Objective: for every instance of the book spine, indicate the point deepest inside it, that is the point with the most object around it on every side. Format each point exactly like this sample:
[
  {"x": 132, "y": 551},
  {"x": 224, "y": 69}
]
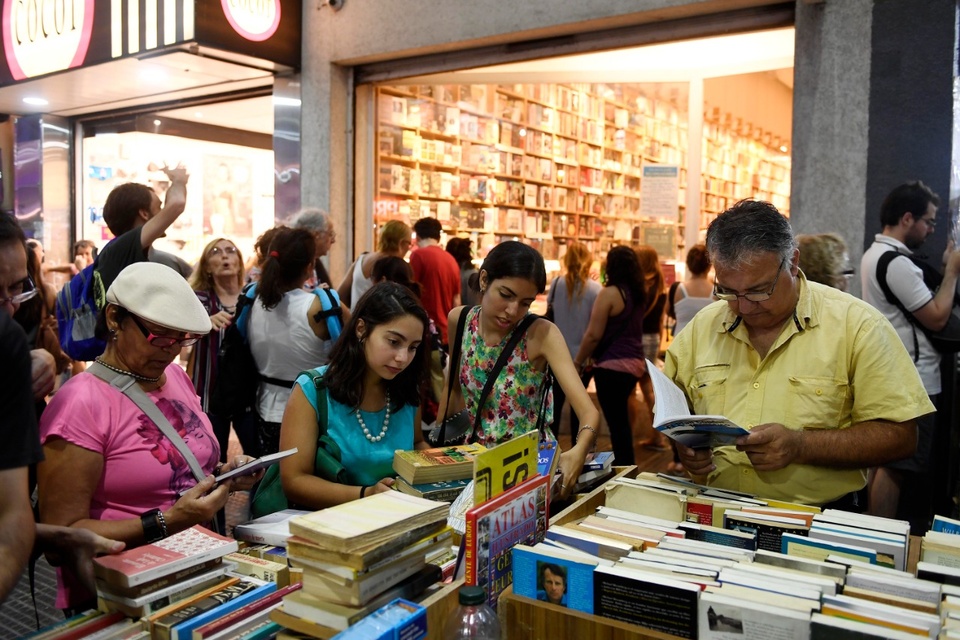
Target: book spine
[
  {"x": 184, "y": 630},
  {"x": 251, "y": 534},
  {"x": 163, "y": 626},
  {"x": 215, "y": 626},
  {"x": 470, "y": 550}
]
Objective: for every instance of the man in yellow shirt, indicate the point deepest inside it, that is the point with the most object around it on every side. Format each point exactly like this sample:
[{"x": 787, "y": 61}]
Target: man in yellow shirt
[{"x": 818, "y": 377}]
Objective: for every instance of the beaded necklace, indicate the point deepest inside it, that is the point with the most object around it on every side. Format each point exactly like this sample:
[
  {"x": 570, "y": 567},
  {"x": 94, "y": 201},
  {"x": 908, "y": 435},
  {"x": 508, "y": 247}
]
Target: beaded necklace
[
  {"x": 133, "y": 375},
  {"x": 386, "y": 423}
]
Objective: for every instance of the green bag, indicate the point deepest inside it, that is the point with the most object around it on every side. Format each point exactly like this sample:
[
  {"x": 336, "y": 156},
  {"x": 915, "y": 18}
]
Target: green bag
[{"x": 269, "y": 497}]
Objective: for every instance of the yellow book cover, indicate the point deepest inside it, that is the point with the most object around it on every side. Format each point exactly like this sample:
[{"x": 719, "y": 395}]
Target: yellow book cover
[
  {"x": 504, "y": 466},
  {"x": 371, "y": 520}
]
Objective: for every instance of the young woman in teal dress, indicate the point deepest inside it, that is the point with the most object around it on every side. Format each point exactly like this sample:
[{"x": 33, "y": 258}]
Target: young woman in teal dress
[
  {"x": 373, "y": 383},
  {"x": 509, "y": 280}
]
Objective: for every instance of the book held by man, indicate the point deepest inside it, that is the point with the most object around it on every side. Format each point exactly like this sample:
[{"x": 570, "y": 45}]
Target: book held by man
[{"x": 672, "y": 417}]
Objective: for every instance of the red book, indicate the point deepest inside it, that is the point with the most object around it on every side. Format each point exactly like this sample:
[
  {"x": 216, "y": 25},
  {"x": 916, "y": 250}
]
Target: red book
[
  {"x": 220, "y": 624},
  {"x": 91, "y": 626},
  {"x": 518, "y": 515},
  {"x": 151, "y": 561}
]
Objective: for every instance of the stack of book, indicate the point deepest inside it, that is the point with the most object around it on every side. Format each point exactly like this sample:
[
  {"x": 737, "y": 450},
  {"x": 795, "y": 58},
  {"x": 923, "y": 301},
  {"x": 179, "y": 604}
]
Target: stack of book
[
  {"x": 597, "y": 468},
  {"x": 435, "y": 474},
  {"x": 358, "y": 556},
  {"x": 140, "y": 581},
  {"x": 272, "y": 529}
]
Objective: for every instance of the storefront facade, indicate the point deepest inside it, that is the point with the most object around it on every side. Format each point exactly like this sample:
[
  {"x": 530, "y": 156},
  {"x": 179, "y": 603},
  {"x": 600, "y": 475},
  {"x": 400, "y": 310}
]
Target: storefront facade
[{"x": 103, "y": 92}]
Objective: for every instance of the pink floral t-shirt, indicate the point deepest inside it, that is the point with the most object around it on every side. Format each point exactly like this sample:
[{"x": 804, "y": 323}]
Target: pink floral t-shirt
[{"x": 142, "y": 470}]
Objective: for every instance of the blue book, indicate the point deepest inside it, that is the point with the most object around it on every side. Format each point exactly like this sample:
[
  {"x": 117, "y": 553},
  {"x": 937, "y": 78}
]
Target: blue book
[
  {"x": 598, "y": 460},
  {"x": 184, "y": 630},
  {"x": 594, "y": 545},
  {"x": 545, "y": 574},
  {"x": 792, "y": 544},
  {"x": 946, "y": 525}
]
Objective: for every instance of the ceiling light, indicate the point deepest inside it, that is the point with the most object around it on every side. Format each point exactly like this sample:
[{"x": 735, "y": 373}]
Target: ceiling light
[
  {"x": 198, "y": 114},
  {"x": 156, "y": 123},
  {"x": 37, "y": 102},
  {"x": 783, "y": 148}
]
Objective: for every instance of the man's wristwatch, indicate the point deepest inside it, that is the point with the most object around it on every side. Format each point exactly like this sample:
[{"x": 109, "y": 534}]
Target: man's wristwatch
[{"x": 154, "y": 525}]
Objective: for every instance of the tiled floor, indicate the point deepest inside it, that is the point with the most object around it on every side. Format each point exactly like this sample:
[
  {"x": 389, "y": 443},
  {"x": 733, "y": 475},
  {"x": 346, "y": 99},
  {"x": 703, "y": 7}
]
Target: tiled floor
[{"x": 17, "y": 613}]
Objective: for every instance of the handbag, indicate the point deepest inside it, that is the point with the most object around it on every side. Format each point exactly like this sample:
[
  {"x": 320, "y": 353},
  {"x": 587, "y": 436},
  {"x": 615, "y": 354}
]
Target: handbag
[
  {"x": 269, "y": 496},
  {"x": 549, "y": 315},
  {"x": 457, "y": 428},
  {"x": 129, "y": 387}
]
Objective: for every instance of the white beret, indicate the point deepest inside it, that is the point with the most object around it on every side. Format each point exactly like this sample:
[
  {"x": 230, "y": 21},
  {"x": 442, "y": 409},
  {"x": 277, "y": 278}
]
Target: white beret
[{"x": 157, "y": 293}]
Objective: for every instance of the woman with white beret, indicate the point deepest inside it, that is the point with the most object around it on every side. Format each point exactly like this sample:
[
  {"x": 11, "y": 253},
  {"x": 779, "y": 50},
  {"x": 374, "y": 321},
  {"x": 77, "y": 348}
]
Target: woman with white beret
[{"x": 108, "y": 467}]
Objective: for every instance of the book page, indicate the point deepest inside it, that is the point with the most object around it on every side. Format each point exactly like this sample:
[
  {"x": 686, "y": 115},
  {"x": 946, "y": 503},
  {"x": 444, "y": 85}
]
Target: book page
[{"x": 671, "y": 402}]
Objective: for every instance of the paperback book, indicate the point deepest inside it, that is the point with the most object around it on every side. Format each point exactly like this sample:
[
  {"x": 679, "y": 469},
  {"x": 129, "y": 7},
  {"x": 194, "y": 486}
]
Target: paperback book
[
  {"x": 673, "y": 419},
  {"x": 550, "y": 575},
  {"x": 518, "y": 515},
  {"x": 436, "y": 465},
  {"x": 273, "y": 528}
]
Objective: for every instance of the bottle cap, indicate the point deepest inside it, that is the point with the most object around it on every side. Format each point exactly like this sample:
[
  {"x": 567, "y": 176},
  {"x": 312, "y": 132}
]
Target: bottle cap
[{"x": 472, "y": 595}]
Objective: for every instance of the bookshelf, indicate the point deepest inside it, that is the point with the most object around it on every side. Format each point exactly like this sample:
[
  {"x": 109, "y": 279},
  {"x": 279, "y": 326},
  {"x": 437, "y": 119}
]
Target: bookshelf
[{"x": 553, "y": 163}]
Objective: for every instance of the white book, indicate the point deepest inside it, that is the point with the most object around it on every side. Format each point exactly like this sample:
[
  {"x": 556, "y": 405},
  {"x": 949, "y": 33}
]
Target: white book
[
  {"x": 864, "y": 521},
  {"x": 823, "y": 624},
  {"x": 273, "y": 528},
  {"x": 824, "y": 585},
  {"x": 706, "y": 549},
  {"x": 676, "y": 556},
  {"x": 570, "y": 553},
  {"x": 925, "y": 590},
  {"x": 815, "y": 567},
  {"x": 722, "y": 617},
  {"x": 649, "y": 521},
  {"x": 669, "y": 567},
  {"x": 893, "y": 554},
  {"x": 946, "y": 539},
  {"x": 852, "y": 563},
  {"x": 753, "y": 594},
  {"x": 732, "y": 575}
]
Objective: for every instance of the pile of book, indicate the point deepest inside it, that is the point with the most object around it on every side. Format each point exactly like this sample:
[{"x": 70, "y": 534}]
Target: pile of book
[
  {"x": 359, "y": 556},
  {"x": 184, "y": 587},
  {"x": 779, "y": 570},
  {"x": 435, "y": 474},
  {"x": 597, "y": 469}
]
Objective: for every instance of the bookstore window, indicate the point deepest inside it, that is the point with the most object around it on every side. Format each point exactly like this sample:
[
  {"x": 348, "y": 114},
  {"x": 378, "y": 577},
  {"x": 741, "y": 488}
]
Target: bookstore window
[{"x": 604, "y": 163}]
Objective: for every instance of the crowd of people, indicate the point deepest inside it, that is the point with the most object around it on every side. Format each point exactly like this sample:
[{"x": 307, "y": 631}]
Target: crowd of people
[{"x": 761, "y": 331}]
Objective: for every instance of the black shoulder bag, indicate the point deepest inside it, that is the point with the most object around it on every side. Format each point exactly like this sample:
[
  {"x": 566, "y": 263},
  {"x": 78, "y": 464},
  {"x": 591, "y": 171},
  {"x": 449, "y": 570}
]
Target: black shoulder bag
[
  {"x": 457, "y": 428},
  {"x": 947, "y": 340}
]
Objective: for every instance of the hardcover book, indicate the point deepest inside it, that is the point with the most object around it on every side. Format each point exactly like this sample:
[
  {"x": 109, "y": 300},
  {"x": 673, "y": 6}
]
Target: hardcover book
[
  {"x": 151, "y": 561},
  {"x": 375, "y": 519},
  {"x": 548, "y": 575},
  {"x": 436, "y": 465},
  {"x": 517, "y": 516}
]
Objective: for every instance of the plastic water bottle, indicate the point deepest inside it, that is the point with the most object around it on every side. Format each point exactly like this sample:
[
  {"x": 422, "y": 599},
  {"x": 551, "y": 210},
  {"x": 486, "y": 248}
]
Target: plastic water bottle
[{"x": 473, "y": 618}]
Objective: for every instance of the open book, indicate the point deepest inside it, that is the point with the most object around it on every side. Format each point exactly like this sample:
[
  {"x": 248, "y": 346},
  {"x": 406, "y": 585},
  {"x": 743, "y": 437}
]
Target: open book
[{"x": 673, "y": 419}]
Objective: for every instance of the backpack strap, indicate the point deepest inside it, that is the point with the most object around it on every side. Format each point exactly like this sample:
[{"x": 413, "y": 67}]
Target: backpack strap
[
  {"x": 883, "y": 263},
  {"x": 316, "y": 377},
  {"x": 330, "y": 310}
]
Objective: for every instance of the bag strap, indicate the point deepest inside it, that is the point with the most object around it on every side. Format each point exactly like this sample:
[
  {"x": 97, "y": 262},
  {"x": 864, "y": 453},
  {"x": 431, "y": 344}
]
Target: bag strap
[
  {"x": 515, "y": 338},
  {"x": 553, "y": 291},
  {"x": 883, "y": 263},
  {"x": 129, "y": 387},
  {"x": 330, "y": 310},
  {"x": 321, "y": 408}
]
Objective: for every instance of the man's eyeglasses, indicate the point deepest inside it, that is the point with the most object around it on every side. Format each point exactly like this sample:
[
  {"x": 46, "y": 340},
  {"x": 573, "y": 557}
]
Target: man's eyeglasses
[
  {"x": 27, "y": 290},
  {"x": 230, "y": 251},
  {"x": 759, "y": 296},
  {"x": 163, "y": 341},
  {"x": 930, "y": 222}
]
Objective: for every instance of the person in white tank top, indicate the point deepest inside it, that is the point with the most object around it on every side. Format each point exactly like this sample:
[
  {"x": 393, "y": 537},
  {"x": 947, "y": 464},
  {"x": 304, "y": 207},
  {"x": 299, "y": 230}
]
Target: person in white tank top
[
  {"x": 284, "y": 332},
  {"x": 395, "y": 240}
]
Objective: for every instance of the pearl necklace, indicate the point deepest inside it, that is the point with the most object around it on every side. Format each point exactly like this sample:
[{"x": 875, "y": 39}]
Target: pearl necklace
[
  {"x": 386, "y": 423},
  {"x": 133, "y": 375}
]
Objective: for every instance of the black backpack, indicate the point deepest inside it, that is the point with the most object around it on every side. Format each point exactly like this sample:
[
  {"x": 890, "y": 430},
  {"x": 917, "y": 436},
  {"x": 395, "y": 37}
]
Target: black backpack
[{"x": 947, "y": 340}]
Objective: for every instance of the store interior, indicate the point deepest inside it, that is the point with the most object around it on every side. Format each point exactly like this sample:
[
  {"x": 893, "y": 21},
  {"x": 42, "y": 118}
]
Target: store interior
[{"x": 638, "y": 146}]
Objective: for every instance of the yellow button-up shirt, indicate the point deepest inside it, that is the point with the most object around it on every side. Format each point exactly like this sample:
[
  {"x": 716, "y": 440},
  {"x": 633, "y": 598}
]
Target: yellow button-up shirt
[{"x": 838, "y": 362}]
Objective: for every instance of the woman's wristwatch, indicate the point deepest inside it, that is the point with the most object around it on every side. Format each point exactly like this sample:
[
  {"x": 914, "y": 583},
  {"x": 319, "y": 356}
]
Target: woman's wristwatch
[{"x": 154, "y": 525}]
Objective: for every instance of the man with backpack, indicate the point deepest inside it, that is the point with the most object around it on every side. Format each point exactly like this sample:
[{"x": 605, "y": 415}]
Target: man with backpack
[
  {"x": 909, "y": 215},
  {"x": 134, "y": 215}
]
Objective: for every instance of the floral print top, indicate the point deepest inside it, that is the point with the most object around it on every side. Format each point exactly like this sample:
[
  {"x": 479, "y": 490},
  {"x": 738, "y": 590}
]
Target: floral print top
[{"x": 514, "y": 403}]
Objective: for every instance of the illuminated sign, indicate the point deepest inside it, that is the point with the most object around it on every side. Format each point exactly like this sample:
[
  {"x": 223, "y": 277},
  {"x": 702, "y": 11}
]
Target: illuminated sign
[
  {"x": 42, "y": 36},
  {"x": 255, "y": 20}
]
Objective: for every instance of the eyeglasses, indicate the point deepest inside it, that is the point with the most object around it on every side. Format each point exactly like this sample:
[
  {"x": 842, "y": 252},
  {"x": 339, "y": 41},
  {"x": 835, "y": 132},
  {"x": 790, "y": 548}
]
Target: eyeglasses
[
  {"x": 231, "y": 250},
  {"x": 163, "y": 341},
  {"x": 849, "y": 273},
  {"x": 27, "y": 290},
  {"x": 759, "y": 296},
  {"x": 930, "y": 222}
]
